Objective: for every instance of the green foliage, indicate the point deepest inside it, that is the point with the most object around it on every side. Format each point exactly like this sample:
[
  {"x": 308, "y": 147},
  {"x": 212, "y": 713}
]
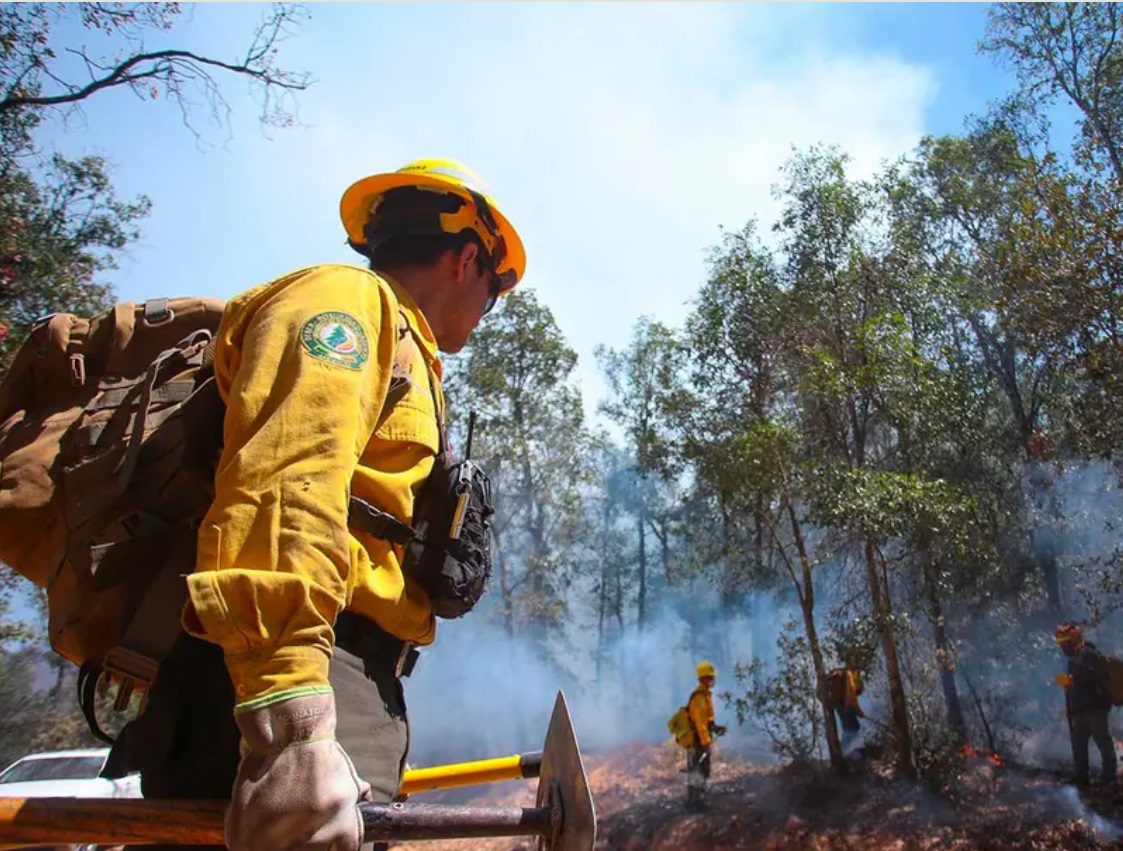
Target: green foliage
[
  {"x": 644, "y": 392},
  {"x": 1069, "y": 50},
  {"x": 62, "y": 227},
  {"x": 783, "y": 704},
  {"x": 38, "y": 717},
  {"x": 58, "y": 235},
  {"x": 855, "y": 643},
  {"x": 517, "y": 373}
]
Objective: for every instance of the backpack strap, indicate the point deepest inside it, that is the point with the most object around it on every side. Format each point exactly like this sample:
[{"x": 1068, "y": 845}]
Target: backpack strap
[{"x": 361, "y": 515}]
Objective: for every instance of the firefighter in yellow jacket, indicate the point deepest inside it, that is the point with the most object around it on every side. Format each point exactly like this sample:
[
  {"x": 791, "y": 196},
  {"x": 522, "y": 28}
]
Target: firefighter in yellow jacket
[
  {"x": 299, "y": 625},
  {"x": 844, "y": 686},
  {"x": 700, "y": 708}
]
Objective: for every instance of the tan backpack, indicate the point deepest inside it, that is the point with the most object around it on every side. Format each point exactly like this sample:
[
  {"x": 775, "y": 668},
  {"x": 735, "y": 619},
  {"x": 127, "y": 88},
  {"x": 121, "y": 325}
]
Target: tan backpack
[{"x": 110, "y": 431}]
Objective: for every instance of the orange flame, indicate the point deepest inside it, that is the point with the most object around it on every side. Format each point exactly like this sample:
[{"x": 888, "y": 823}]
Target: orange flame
[{"x": 970, "y": 750}]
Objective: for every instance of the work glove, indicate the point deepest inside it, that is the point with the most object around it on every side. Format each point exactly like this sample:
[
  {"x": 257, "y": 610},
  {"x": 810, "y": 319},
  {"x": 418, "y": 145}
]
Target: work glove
[
  {"x": 295, "y": 788},
  {"x": 720, "y": 730}
]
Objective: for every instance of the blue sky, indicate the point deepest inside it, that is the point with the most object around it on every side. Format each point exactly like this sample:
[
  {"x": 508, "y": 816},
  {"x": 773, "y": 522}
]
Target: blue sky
[{"x": 617, "y": 137}]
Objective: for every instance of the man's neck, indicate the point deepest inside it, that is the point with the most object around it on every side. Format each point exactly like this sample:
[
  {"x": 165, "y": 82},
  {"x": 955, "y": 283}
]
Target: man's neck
[{"x": 430, "y": 297}]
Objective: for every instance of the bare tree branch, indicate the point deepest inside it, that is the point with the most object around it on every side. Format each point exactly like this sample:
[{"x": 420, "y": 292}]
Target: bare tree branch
[{"x": 176, "y": 71}]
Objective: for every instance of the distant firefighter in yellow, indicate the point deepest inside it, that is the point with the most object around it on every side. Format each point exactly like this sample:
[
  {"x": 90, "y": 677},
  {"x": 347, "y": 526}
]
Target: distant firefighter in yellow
[
  {"x": 844, "y": 686},
  {"x": 694, "y": 729}
]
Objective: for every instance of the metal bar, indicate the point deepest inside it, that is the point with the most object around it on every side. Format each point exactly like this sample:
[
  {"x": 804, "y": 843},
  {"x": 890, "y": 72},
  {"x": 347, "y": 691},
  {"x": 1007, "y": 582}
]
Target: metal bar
[
  {"x": 58, "y": 821},
  {"x": 442, "y": 821},
  {"x": 517, "y": 767}
]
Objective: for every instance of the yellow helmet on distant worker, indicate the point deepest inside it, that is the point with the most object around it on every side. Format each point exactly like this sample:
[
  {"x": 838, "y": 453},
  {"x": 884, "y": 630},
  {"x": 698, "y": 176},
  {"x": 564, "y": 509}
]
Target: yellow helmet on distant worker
[
  {"x": 477, "y": 211},
  {"x": 706, "y": 669}
]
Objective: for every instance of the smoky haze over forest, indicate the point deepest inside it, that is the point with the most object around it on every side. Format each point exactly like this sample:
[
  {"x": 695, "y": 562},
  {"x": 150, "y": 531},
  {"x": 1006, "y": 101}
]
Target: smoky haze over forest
[
  {"x": 476, "y": 673},
  {"x": 885, "y": 434}
]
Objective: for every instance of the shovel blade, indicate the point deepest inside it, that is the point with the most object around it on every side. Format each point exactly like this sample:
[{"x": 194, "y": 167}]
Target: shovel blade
[{"x": 564, "y": 785}]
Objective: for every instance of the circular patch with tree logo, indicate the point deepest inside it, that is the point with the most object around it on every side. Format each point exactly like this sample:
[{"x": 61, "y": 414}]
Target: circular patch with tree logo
[{"x": 337, "y": 338}]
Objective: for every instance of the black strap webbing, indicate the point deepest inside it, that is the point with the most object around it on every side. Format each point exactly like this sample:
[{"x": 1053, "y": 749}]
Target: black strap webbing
[
  {"x": 88, "y": 676},
  {"x": 378, "y": 523}
]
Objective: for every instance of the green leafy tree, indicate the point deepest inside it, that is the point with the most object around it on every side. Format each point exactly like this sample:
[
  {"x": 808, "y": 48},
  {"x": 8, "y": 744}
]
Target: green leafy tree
[
  {"x": 747, "y": 452},
  {"x": 517, "y": 373},
  {"x": 1070, "y": 50},
  {"x": 643, "y": 385}
]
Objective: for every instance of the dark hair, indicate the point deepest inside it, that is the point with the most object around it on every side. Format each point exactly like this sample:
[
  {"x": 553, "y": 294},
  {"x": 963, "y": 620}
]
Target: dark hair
[
  {"x": 420, "y": 251},
  {"x": 404, "y": 230}
]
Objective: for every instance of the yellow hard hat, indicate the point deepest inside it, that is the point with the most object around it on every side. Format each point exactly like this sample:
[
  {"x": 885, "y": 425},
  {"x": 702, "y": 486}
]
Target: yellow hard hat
[
  {"x": 479, "y": 213},
  {"x": 706, "y": 669}
]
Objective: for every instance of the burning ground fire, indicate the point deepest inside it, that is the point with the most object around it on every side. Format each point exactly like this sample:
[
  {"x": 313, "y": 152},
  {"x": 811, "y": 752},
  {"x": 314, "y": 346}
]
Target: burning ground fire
[
  {"x": 995, "y": 804},
  {"x": 989, "y": 756}
]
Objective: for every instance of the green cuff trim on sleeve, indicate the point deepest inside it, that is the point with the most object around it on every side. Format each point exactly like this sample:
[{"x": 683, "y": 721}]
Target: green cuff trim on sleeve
[{"x": 279, "y": 697}]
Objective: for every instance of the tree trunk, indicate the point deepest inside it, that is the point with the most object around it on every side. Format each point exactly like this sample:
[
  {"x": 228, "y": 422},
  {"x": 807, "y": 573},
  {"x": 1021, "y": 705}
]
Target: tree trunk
[
  {"x": 1000, "y": 358},
  {"x": 602, "y": 601},
  {"x": 806, "y": 596},
  {"x": 944, "y": 657},
  {"x": 601, "y": 605},
  {"x": 900, "y": 715},
  {"x": 642, "y": 607},
  {"x": 505, "y": 597}
]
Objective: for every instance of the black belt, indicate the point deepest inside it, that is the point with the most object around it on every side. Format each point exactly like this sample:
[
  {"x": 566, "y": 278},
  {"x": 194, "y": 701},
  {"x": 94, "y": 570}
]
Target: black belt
[{"x": 379, "y": 650}]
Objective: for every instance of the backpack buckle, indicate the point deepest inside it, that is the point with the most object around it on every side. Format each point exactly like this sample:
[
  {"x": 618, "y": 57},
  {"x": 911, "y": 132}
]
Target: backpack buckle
[
  {"x": 78, "y": 369},
  {"x": 156, "y": 312},
  {"x": 133, "y": 672}
]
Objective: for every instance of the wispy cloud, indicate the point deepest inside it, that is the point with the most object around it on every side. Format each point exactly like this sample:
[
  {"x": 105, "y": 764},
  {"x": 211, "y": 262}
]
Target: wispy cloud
[{"x": 618, "y": 137}]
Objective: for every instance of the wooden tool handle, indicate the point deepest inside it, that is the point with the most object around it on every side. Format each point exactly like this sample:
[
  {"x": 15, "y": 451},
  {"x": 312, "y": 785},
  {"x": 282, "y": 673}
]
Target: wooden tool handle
[
  {"x": 110, "y": 821},
  {"x": 123, "y": 821}
]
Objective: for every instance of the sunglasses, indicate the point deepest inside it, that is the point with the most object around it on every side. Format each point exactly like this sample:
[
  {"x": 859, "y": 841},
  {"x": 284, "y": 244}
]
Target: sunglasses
[{"x": 498, "y": 285}]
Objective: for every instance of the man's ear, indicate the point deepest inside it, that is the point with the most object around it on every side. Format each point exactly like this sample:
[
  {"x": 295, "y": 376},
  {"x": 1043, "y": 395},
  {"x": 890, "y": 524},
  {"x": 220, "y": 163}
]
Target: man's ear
[{"x": 465, "y": 257}]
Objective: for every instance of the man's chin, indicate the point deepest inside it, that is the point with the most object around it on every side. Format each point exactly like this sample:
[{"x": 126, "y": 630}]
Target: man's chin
[{"x": 451, "y": 347}]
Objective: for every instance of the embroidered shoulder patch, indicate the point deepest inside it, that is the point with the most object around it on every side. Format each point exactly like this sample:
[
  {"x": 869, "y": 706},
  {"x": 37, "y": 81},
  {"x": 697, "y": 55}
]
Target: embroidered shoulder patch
[{"x": 337, "y": 338}]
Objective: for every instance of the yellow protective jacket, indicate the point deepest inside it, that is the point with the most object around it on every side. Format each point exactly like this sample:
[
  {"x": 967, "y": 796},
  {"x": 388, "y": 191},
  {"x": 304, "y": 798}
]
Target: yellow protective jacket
[
  {"x": 701, "y": 710},
  {"x": 845, "y": 687},
  {"x": 304, "y": 365}
]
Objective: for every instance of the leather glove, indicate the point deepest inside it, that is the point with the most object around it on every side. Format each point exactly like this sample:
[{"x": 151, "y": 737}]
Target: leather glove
[{"x": 295, "y": 788}]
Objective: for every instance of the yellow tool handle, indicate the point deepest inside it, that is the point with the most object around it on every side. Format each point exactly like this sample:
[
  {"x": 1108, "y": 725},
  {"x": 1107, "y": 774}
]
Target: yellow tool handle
[{"x": 515, "y": 767}]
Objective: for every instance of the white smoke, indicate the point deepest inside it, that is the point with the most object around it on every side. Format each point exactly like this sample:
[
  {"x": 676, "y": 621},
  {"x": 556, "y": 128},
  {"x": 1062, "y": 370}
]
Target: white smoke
[{"x": 479, "y": 692}]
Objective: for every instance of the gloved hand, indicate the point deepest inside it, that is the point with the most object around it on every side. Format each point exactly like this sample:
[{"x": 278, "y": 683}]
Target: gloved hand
[
  {"x": 720, "y": 729},
  {"x": 295, "y": 788}
]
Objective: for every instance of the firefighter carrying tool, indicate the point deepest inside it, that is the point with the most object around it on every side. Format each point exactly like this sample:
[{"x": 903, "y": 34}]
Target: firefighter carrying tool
[
  {"x": 563, "y": 818},
  {"x": 1088, "y": 699}
]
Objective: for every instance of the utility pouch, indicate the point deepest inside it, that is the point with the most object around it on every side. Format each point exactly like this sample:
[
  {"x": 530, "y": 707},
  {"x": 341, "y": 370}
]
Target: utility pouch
[
  {"x": 448, "y": 547},
  {"x": 450, "y": 555}
]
